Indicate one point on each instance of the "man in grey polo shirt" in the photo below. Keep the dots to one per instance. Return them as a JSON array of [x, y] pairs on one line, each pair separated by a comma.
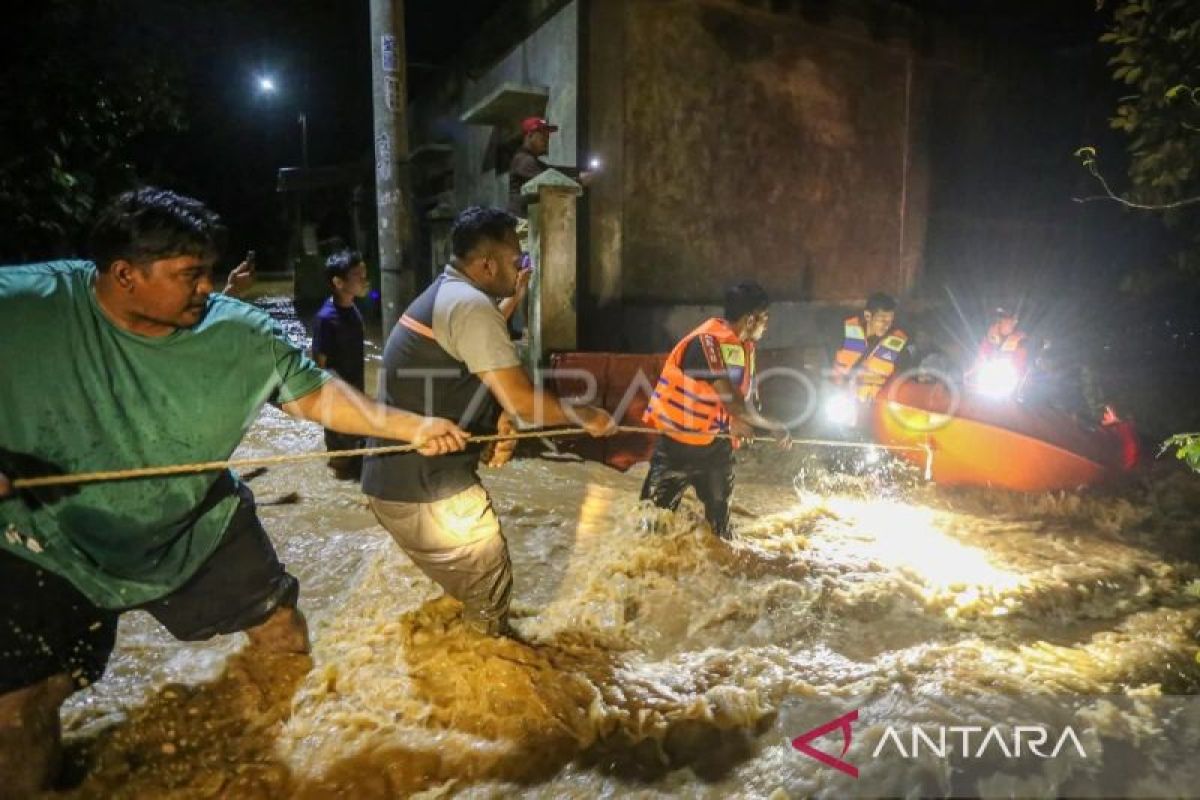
[[451, 352]]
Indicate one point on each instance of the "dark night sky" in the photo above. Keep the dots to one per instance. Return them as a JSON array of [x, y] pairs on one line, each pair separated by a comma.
[[319, 53], [235, 139]]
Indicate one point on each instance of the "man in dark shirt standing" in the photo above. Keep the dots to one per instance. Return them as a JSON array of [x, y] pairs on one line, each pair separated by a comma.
[[338, 344], [527, 162]]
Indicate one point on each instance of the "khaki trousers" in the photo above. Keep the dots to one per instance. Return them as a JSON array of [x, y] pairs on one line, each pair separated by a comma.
[[457, 542]]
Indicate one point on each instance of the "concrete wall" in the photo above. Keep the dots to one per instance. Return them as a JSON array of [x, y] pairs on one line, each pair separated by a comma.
[[825, 157], [749, 144]]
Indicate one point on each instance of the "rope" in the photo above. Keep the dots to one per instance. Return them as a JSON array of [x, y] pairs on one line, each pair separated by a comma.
[[214, 466]]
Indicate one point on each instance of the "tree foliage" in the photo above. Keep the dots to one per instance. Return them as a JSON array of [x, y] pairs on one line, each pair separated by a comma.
[[83, 89], [1186, 447], [1157, 45], [1155, 57]]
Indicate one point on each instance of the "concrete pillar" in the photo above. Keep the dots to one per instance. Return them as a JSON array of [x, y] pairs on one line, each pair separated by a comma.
[[441, 219], [553, 295], [393, 189]]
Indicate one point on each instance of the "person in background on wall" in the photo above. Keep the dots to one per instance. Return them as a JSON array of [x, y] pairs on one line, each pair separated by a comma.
[[706, 389], [132, 360], [337, 344], [527, 163], [451, 352]]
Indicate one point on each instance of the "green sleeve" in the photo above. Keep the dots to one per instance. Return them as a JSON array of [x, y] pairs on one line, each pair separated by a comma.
[[298, 374]]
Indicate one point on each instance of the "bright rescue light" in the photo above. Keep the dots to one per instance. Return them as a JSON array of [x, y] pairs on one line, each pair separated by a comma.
[[997, 379], [841, 409]]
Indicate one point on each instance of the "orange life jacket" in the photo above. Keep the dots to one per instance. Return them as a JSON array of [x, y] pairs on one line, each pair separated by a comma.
[[874, 367], [1012, 348], [687, 409]]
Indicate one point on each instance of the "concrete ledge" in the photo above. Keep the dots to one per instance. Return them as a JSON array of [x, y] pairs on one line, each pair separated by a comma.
[[508, 104]]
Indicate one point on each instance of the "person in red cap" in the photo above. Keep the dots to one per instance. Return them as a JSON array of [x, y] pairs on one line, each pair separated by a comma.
[[527, 162], [526, 165]]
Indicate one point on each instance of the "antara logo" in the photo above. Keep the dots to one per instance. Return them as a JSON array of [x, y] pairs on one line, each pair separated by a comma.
[[974, 741], [842, 723]]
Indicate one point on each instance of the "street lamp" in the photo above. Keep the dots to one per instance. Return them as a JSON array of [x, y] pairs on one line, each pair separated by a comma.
[[268, 88]]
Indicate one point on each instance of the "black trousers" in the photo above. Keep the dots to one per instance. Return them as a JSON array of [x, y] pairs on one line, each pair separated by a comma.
[[706, 468], [344, 467], [47, 626]]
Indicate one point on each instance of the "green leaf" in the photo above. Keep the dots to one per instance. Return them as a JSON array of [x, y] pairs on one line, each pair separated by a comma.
[[1187, 448]]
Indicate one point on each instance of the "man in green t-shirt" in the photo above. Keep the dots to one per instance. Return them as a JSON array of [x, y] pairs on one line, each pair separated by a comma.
[[132, 360]]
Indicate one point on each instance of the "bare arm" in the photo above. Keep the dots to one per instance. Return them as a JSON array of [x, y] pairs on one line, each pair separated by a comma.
[[339, 406], [747, 414], [520, 398]]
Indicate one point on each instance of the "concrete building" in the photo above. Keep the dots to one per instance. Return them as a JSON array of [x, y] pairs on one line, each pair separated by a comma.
[[826, 149]]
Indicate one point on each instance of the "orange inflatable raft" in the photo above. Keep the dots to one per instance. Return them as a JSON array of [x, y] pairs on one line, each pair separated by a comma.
[[1004, 444]]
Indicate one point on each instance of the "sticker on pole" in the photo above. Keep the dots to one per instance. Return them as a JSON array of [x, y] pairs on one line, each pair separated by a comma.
[[387, 52], [383, 157], [393, 93]]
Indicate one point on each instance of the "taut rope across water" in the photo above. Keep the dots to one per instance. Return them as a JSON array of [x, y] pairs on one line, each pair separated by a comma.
[[213, 466]]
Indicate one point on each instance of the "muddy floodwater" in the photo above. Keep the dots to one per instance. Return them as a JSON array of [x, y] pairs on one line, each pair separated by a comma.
[[656, 660]]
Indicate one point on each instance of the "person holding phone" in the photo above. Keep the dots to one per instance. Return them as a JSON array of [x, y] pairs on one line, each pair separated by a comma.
[[527, 163], [241, 278]]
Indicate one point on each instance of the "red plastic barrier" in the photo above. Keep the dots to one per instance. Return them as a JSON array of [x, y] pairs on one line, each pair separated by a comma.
[[622, 383]]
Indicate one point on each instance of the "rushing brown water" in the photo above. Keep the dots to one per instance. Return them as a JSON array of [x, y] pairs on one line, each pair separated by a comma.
[[656, 660]]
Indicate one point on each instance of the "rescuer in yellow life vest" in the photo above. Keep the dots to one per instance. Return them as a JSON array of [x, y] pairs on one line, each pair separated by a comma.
[[872, 349], [706, 392]]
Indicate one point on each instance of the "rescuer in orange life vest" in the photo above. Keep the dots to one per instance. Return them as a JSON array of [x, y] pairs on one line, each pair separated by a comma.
[[707, 389], [1002, 363], [872, 350]]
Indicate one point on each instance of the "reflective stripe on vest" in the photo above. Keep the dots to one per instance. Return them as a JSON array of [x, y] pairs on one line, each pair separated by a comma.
[[690, 410], [879, 363]]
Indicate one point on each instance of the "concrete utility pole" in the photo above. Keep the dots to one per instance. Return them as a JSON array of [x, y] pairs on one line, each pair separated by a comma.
[[392, 195]]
